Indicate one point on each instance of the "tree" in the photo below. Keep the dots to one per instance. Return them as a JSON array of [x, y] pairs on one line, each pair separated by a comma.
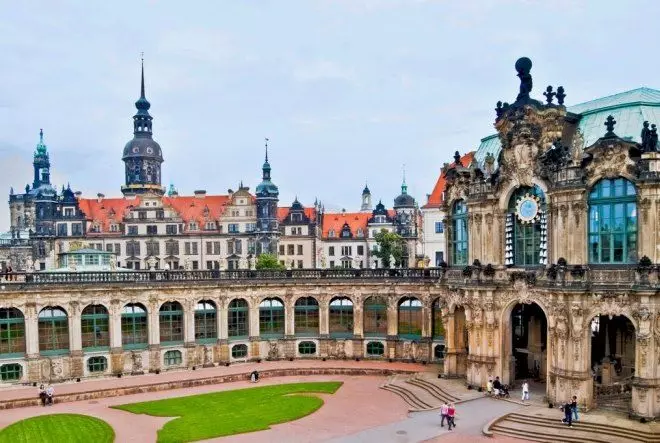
[[390, 245], [268, 261]]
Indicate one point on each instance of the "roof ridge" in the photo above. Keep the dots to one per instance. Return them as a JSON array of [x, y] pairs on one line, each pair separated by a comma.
[[643, 94]]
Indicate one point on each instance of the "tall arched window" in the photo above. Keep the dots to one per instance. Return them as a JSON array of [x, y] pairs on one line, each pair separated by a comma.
[[526, 229], [613, 222], [171, 323], [341, 317], [238, 318], [459, 237], [53, 331], [134, 327], [306, 316], [206, 325], [271, 318], [94, 322], [410, 318], [12, 333], [375, 317]]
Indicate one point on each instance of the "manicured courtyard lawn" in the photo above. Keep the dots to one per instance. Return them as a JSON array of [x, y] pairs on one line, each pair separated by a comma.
[[58, 428], [233, 412]]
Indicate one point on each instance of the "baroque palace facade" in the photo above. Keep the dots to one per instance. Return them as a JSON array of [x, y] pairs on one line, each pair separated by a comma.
[[551, 235]]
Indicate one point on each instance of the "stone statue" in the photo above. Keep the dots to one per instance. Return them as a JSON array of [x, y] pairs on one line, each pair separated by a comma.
[[489, 163], [523, 67], [653, 139], [577, 147], [72, 266], [113, 264], [340, 349], [549, 95], [273, 351], [151, 263], [56, 368], [137, 361], [645, 136], [252, 262], [187, 264], [222, 264]]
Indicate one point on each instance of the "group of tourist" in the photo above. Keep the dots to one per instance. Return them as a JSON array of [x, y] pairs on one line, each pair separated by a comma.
[[570, 410], [498, 389], [448, 412], [46, 395]]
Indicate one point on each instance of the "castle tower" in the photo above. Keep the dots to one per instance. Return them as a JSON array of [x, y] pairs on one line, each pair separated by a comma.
[[267, 198], [366, 199], [142, 155]]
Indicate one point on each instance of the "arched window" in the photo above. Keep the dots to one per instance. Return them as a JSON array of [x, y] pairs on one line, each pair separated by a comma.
[[11, 372], [94, 322], [271, 318], [306, 316], [172, 358], [12, 332], [206, 325], [375, 317], [341, 317], [238, 318], [438, 331], [375, 349], [410, 318], [97, 364], [171, 323], [459, 237], [613, 222], [307, 348], [526, 229], [134, 327], [239, 351], [53, 331]]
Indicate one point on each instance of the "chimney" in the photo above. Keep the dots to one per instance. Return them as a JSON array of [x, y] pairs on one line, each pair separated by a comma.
[[99, 197], [230, 192], [200, 193]]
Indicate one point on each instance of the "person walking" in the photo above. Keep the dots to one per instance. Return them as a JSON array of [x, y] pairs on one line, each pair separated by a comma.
[[42, 395], [574, 408], [568, 415], [50, 392], [451, 414], [525, 391], [443, 413], [497, 386]]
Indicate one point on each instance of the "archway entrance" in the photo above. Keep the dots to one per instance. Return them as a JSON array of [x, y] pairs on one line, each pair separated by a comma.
[[528, 343], [612, 361]]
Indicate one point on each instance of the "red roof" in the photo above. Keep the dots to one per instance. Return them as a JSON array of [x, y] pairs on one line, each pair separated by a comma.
[[192, 208], [336, 222], [437, 196], [106, 210]]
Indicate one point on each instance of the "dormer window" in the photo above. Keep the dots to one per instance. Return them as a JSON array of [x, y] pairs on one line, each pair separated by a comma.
[[380, 219], [296, 217], [210, 226], [68, 212], [192, 226], [114, 227], [331, 233], [346, 233], [360, 232]]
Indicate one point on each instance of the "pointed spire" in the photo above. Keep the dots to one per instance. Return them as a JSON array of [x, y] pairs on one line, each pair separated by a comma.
[[404, 186], [142, 104], [41, 147], [142, 84], [266, 139]]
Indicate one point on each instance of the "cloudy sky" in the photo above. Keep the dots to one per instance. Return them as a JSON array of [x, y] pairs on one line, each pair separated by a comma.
[[346, 90]]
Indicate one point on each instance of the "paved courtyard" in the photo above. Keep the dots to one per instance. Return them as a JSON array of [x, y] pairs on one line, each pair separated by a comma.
[[358, 412]]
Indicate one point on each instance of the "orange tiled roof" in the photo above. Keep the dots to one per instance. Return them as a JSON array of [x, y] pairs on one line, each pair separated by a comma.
[[436, 197], [336, 221], [102, 211], [192, 208]]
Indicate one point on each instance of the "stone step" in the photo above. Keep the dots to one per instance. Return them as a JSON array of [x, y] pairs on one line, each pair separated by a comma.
[[408, 396], [532, 433], [434, 390], [546, 428]]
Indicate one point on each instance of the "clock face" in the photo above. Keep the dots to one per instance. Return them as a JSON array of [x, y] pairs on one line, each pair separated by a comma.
[[528, 209]]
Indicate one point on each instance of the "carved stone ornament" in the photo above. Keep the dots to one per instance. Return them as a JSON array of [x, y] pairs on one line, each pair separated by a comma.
[[577, 147], [610, 159]]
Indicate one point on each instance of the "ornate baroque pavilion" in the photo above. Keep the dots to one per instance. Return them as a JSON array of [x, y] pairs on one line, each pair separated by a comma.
[[551, 231]]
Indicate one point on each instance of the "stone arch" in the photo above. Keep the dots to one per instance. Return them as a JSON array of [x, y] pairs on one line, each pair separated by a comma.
[[507, 192], [507, 370], [591, 181], [250, 301]]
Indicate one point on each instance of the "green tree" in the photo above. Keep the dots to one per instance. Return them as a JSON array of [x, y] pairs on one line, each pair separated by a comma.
[[390, 245], [268, 261]]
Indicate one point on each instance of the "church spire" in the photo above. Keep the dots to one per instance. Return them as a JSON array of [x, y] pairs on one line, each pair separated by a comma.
[[404, 186], [266, 167]]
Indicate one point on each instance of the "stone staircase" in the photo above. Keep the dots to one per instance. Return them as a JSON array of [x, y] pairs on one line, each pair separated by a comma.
[[419, 393], [551, 430]]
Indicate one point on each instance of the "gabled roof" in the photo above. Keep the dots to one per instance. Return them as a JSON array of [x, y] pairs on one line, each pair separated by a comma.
[[283, 213], [436, 197], [336, 221]]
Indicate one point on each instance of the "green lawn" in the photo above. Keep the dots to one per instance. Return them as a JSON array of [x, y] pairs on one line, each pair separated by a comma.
[[224, 413], [58, 428]]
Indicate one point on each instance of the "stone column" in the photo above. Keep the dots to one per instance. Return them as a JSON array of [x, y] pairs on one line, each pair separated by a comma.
[[154, 337], [116, 351], [189, 323], [289, 316], [392, 327], [324, 317], [75, 340], [255, 343], [32, 343], [645, 388], [222, 349], [358, 326]]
